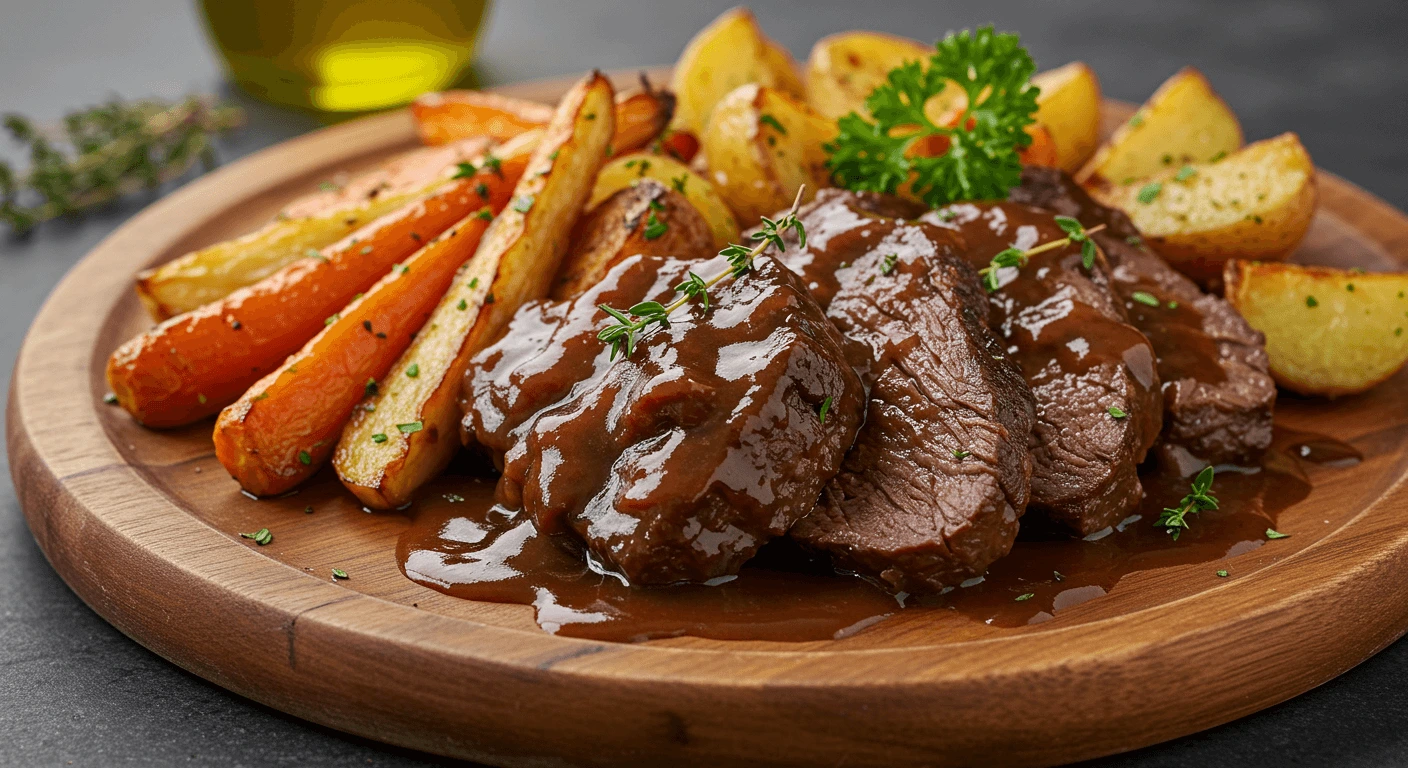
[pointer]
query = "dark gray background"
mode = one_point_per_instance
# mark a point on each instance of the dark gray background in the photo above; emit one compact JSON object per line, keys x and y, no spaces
{"x":74,"y":691}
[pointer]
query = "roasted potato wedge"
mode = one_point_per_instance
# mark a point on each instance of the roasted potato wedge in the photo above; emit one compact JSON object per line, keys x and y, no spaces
{"x":844,"y":68}
{"x":284,"y":427}
{"x":730,"y":52}
{"x":1185,"y":121}
{"x":408,"y":434}
{"x":762,"y":146}
{"x":1255,"y":204}
{"x":1069,"y":108}
{"x":191,"y":366}
{"x":452,"y":115}
{"x":627,"y":170}
{"x":311,"y":222}
{"x":1328,"y":331}
{"x":646,"y":217}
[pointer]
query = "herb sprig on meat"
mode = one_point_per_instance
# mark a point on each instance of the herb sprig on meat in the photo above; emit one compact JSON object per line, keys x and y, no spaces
{"x":628,"y":325}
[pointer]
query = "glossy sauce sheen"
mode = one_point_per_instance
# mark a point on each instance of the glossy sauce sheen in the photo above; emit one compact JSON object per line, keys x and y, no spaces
{"x":476,"y":550}
{"x":1069,"y":334}
{"x":677,"y":461}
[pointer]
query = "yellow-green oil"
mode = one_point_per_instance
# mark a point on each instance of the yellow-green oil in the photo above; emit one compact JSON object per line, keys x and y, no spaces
{"x":344,"y":55}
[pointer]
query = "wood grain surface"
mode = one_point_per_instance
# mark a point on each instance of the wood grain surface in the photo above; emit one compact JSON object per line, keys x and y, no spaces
{"x":144,"y":526}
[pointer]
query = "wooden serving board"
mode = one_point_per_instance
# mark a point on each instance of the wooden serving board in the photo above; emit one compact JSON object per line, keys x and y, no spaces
{"x":144,"y":526}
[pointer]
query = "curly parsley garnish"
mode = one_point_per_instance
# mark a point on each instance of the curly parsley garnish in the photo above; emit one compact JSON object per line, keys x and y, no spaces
{"x":629,"y":324}
{"x":981,"y":163}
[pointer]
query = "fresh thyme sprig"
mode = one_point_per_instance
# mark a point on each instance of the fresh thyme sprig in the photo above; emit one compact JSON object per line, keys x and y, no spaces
{"x":1175,"y":520}
{"x":120,"y":148}
{"x":982,"y":162}
{"x":1015,"y":257}
{"x":630,"y":324}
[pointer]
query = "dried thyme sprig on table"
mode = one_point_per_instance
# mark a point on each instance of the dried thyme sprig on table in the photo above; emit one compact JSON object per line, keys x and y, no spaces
{"x":118,"y":148}
{"x":629,"y":324}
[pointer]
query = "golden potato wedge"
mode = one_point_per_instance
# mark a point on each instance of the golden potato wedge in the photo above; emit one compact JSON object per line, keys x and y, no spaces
{"x":1069,"y":107}
{"x":844,"y":68}
{"x":311,"y":222}
{"x":1255,"y":204}
{"x":1185,"y":121}
{"x":647,"y":217}
{"x":762,"y":146}
{"x":406,"y":433}
{"x":627,"y":170}
{"x":1328,"y":331}
{"x":731,"y":51}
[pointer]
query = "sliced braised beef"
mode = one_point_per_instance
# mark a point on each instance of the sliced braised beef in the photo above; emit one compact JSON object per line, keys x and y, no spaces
{"x":932,"y":491}
{"x":676,"y":462}
{"x":1218,"y":393}
{"x":843,"y":226}
{"x":1093,"y":374}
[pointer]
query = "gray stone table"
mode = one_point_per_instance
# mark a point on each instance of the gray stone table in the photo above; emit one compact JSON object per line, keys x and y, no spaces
{"x":74,"y":691}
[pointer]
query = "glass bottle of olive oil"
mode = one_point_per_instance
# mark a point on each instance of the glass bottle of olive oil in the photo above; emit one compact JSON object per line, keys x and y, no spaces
{"x":344,"y":55}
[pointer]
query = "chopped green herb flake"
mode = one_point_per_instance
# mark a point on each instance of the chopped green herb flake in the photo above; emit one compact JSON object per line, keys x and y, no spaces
{"x":1150,"y":192}
{"x":305,"y":458}
{"x":772,"y":122}
{"x":453,"y":498}
{"x":1136,"y":121}
{"x":410,"y":427}
{"x":887,"y":264}
{"x":654,"y":227}
{"x":465,"y":171}
{"x":825,"y":409}
{"x":1025,"y":597}
{"x":1222,"y":574}
{"x":1311,"y":302}
{"x":1272,"y":533}
{"x":1116,"y":412}
{"x":960,"y":455}
{"x":413,"y":371}
{"x":473,"y":283}
{"x":1185,"y":173}
{"x":680,"y":182}
{"x":332,"y":318}
{"x":1147,"y":299}
{"x":482,"y":190}
{"x":462,"y":306}
{"x":110,"y":398}
{"x":260,"y":537}
{"x":338,"y":573}
{"x":379,"y":437}
{"x":371,"y":387}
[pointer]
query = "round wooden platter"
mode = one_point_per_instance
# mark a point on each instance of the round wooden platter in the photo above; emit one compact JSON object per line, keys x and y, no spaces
{"x":144,"y":526}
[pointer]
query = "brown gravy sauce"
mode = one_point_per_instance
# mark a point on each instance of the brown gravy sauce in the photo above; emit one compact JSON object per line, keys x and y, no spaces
{"x":466,"y":546}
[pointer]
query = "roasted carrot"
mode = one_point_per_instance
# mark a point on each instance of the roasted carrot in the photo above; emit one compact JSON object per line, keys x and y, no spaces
{"x":312,"y":221}
{"x":641,"y":116}
{"x":192,"y":365}
{"x":451,"y":115}
{"x":284,"y":427}
{"x":1042,"y":150}
{"x":454,"y":115}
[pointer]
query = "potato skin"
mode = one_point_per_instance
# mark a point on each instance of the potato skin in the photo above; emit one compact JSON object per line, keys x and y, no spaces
{"x":1185,"y":121}
{"x":761,"y":146}
{"x":646,"y":218}
{"x":625,"y":170}
{"x":1328,"y":331}
{"x":1069,"y":108}
{"x":731,"y":51}
{"x":1256,"y":204}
